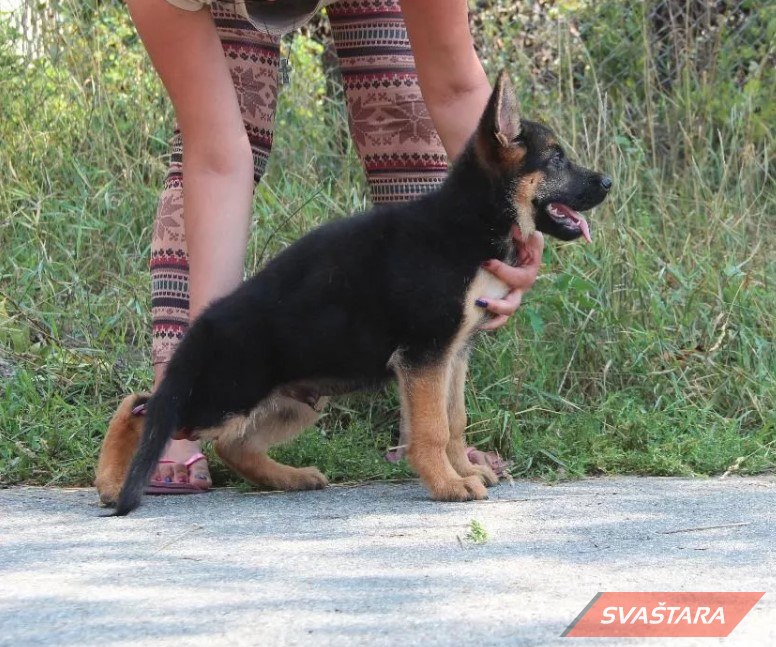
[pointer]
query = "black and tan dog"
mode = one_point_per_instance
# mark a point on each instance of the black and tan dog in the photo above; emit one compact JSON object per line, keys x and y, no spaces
{"x":388,"y":293}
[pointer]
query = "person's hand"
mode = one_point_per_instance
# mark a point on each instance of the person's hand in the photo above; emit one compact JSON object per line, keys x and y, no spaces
{"x":519,"y":278}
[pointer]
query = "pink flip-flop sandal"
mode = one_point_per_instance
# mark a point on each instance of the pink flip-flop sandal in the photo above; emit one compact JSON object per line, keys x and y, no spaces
{"x":162,"y":487}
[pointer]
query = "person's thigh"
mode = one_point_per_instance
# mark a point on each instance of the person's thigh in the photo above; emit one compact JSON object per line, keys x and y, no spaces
{"x":252,"y":57}
{"x":185,"y":50}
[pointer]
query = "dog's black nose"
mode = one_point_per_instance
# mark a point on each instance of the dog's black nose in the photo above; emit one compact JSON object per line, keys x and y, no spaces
{"x":606,"y":182}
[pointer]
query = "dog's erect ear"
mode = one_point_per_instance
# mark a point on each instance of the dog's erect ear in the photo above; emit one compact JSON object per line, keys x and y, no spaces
{"x":501,"y":118}
{"x":499,"y":127}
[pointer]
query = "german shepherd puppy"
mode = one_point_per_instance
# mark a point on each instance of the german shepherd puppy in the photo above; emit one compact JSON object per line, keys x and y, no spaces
{"x":387,"y":293}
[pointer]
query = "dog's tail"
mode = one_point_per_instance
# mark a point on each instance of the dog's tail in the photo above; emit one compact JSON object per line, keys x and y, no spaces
{"x":161,"y":421}
{"x":164,"y":412}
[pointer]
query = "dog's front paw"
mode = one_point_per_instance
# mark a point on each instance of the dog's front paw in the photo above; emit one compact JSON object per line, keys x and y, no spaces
{"x":305,"y":478}
{"x":461,"y":489}
{"x":486,"y":475}
{"x":484,"y":472}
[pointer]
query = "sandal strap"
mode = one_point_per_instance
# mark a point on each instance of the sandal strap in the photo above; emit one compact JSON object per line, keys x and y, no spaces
{"x":193,"y":459}
{"x":188,"y":463}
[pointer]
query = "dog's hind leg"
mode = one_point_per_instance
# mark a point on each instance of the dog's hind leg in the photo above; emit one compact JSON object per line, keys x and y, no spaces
{"x":456,"y":411}
{"x":424,"y":396}
{"x":118,"y":448}
{"x":277,"y":419}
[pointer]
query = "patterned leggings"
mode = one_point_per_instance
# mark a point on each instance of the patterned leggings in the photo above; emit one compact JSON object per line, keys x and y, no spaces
{"x":395,"y":138}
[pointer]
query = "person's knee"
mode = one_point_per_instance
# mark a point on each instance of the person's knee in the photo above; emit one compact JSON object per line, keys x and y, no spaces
{"x":219,"y":153}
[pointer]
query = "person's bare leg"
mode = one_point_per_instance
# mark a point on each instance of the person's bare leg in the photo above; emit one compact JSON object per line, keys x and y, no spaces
{"x":218,"y":165}
{"x":252,"y":57}
{"x":217,"y":159}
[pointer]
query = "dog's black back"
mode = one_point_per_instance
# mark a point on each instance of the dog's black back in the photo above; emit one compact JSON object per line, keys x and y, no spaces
{"x":345,"y":301}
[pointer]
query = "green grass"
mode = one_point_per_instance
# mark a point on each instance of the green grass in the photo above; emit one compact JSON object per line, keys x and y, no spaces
{"x":476,"y":534}
{"x":650,"y":351}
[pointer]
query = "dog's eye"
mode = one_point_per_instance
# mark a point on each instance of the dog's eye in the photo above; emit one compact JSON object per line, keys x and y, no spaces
{"x":558,"y":160}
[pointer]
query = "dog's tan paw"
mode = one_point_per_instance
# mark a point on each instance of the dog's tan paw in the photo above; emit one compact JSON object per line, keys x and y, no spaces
{"x":486,"y":475}
{"x":483,"y":472}
{"x":108,"y":492}
{"x":121,"y":440}
{"x":462,"y":489}
{"x":305,"y":478}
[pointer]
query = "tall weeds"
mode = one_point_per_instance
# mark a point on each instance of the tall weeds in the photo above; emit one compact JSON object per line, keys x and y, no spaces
{"x":650,"y":351}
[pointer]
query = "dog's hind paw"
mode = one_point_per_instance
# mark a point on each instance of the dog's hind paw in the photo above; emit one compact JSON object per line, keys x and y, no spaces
{"x":109,"y":497}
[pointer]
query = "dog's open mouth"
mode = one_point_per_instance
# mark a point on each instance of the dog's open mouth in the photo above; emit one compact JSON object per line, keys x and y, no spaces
{"x":570,"y":219}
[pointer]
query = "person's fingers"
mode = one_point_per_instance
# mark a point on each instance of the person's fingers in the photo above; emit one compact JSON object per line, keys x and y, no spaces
{"x":517,"y":278}
{"x":529,"y":251}
{"x":494,"y":323}
{"x":506,"y":306}
{"x":526,"y":255}
{"x":529,"y":258}
{"x":534,"y":241}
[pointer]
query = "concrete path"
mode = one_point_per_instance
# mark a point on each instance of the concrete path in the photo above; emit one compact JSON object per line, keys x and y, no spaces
{"x":377,"y":564}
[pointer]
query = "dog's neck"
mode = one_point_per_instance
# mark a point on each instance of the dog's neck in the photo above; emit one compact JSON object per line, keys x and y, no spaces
{"x":473,"y":202}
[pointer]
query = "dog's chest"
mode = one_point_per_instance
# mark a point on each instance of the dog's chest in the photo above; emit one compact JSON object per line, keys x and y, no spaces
{"x":484,"y":286}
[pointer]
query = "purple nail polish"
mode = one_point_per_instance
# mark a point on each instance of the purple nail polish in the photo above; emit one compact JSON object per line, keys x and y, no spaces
{"x":481,"y":303}
{"x":168,"y":479}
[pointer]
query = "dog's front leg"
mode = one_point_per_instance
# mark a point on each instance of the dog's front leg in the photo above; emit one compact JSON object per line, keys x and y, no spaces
{"x":424,"y":396}
{"x":456,"y":411}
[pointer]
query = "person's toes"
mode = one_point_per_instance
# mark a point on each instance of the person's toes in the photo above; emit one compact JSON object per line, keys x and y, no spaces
{"x":492,"y":460}
{"x":166,"y":473}
{"x":180,"y":473}
{"x":201,"y":479}
{"x":199,"y":475}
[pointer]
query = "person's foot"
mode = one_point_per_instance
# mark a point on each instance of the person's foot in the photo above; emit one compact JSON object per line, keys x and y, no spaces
{"x":182,"y":463}
{"x":492,"y":460}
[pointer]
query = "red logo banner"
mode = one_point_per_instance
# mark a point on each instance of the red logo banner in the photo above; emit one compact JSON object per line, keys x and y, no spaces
{"x":666,"y":615}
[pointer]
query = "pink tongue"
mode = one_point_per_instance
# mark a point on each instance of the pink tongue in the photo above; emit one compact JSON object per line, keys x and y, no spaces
{"x":585,"y":229}
{"x":570,"y":213}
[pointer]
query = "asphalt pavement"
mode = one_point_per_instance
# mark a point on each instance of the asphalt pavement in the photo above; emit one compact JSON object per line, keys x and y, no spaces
{"x":377,"y":564}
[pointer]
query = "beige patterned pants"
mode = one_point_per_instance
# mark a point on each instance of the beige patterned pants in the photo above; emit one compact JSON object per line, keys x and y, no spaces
{"x":401,"y":152}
